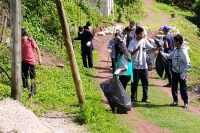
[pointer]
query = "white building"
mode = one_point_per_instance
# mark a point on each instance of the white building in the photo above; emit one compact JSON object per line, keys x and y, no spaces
{"x":107,"y":6}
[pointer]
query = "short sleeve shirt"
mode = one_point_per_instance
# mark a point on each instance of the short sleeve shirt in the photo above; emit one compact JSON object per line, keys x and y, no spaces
{"x":135,"y":57}
{"x":28,"y":46}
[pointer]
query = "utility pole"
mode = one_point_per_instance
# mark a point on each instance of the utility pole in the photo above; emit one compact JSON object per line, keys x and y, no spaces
{"x":70,"y":53}
{"x":15,"y":19}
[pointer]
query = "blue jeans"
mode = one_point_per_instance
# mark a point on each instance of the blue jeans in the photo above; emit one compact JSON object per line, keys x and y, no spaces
{"x":183,"y":88}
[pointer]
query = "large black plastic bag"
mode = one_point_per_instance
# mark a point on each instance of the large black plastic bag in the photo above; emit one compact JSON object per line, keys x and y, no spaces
{"x":160,"y":64}
{"x":116,"y":95}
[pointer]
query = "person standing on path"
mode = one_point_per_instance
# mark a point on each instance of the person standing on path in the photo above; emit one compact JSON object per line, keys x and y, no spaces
{"x":137,"y":48}
{"x":86,"y":46}
{"x":168,"y":48}
{"x":88,"y":27}
{"x":111,"y":46}
{"x":124,"y":64}
{"x":29,"y":46}
{"x":129,"y":33}
{"x":180,"y":65}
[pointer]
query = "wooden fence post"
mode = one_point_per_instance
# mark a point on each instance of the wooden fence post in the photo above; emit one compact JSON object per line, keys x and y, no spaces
{"x":70,"y":52}
{"x":15,"y":19}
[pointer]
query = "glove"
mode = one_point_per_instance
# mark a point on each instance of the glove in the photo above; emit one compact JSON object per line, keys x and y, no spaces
{"x":117,"y":71}
{"x":162,"y":52}
{"x":183,"y":76}
{"x":8,"y":42}
{"x":88,"y":43}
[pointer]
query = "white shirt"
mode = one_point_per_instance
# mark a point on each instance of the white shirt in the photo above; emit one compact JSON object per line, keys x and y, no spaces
{"x":145,"y":45}
{"x":180,"y":60}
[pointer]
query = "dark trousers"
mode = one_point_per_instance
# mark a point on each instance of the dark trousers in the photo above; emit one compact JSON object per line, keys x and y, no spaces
{"x":168,"y":70}
{"x":86,"y":54}
{"x":28,"y":70}
{"x":113,"y":64}
{"x":124,"y":79}
{"x":183,"y":88}
{"x":143,"y":75}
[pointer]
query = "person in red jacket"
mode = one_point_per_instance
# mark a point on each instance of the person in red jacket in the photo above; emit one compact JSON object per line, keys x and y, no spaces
{"x":29,"y":47}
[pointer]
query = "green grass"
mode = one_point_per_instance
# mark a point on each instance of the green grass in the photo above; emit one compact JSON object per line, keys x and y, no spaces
{"x":160,"y":113}
{"x":190,"y":32}
{"x":55,"y":91}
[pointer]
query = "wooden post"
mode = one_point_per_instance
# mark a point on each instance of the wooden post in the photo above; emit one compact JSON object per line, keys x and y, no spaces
{"x":15,"y":19}
{"x":4,"y":22}
{"x":70,"y":53}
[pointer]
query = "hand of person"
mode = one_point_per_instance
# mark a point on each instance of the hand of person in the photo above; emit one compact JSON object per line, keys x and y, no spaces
{"x":40,"y":61}
{"x":162,"y":52}
{"x":88,"y":43}
{"x":138,"y":47}
{"x":183,"y":76}
{"x":117,"y":71}
{"x":161,"y":49}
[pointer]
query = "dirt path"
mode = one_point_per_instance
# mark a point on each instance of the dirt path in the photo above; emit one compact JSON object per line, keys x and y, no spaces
{"x":151,"y":17}
{"x":137,"y":124}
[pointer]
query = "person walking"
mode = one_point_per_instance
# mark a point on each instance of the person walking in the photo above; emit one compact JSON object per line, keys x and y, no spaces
{"x":180,"y":66}
{"x":29,"y":46}
{"x":168,"y":48}
{"x":86,"y":46}
{"x":124,"y":64}
{"x":137,"y":48}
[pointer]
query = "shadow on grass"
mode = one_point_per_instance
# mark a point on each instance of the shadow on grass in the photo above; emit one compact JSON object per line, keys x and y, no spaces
{"x":101,"y":68}
{"x":101,"y":77}
{"x":149,"y":105}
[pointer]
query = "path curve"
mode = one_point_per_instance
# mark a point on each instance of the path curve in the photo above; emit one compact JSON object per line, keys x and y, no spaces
{"x":100,"y":43}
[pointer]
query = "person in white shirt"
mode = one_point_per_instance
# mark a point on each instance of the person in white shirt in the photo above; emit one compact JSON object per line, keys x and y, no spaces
{"x":137,"y":48}
{"x":180,"y":65}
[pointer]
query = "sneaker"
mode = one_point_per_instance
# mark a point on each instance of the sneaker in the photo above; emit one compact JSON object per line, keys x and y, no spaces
{"x":145,"y":101}
{"x":167,"y":85}
{"x":174,"y":104}
{"x":134,"y":100}
{"x":185,"y":105}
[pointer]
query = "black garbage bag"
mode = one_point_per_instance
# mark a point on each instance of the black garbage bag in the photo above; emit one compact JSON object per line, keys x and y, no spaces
{"x":116,"y":95}
{"x":149,"y":61}
{"x":160,"y":64}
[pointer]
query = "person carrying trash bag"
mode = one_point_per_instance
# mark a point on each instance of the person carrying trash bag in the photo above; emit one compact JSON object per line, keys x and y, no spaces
{"x":114,"y":89}
{"x":124,"y":64}
{"x":180,"y":65}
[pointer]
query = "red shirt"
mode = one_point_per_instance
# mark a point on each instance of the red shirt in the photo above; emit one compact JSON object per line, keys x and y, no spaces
{"x":28,"y":46}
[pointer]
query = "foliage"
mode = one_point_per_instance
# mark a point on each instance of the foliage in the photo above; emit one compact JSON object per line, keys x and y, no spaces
{"x":128,"y":10}
{"x":184,"y":4}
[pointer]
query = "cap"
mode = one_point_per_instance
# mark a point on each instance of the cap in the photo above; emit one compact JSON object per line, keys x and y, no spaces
{"x":166,"y":28}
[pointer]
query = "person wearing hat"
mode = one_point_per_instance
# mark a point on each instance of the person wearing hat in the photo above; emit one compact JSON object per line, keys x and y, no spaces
{"x":29,"y":47}
{"x":168,"y":48}
{"x":180,"y":66}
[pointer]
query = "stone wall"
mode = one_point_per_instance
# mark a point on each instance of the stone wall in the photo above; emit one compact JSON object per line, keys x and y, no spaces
{"x":107,"y":6}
